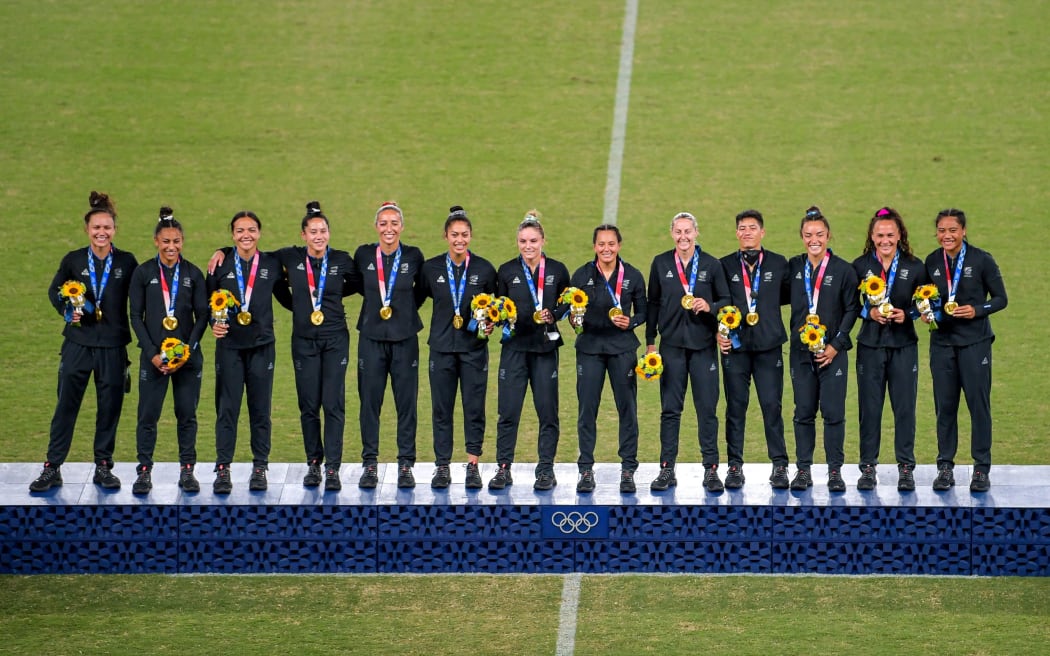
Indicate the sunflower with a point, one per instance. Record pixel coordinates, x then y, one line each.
510 309
174 352
222 299
574 296
731 320
493 313
653 360
72 289
650 366
926 293
480 301
873 286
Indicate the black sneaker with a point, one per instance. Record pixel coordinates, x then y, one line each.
405 479
712 483
222 484
778 480
945 480
867 480
802 481
734 478
473 480
50 477
627 485
144 482
586 483
502 478
104 476
369 478
905 478
257 483
187 481
979 482
331 480
442 477
313 474
835 482
545 481
664 480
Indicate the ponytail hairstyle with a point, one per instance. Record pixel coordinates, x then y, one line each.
393 207
957 214
245 213
888 214
100 204
166 219
606 227
313 211
813 214
532 220
457 213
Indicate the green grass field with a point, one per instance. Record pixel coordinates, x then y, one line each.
214 107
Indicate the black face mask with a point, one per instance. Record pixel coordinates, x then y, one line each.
751 256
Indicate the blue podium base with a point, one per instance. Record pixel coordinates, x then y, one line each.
291 529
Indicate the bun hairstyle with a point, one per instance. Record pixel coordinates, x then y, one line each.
955 213
166 219
532 220
390 205
245 213
607 227
100 204
313 211
888 214
457 213
813 213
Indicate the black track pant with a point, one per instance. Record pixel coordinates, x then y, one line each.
824 389
967 369
243 372
879 370
76 365
767 370
320 384
400 362
186 394
469 372
698 369
519 370
590 379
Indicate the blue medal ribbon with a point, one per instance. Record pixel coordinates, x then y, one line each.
956 274
246 293
96 288
170 311
619 282
317 294
537 296
813 296
752 283
389 287
457 291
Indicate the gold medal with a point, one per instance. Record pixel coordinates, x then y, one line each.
244 318
687 302
615 312
98 314
169 323
885 309
317 317
813 319
537 316
457 322
950 307
385 312
751 318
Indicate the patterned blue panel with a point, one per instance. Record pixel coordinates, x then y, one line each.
871 523
289 556
270 522
535 556
459 522
88 557
871 558
614 556
689 522
1030 525
1011 559
568 522
88 522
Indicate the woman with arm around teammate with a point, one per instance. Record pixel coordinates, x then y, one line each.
169 299
971 288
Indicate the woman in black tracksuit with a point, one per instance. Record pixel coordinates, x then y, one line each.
888 348
971 288
244 349
168 299
530 358
458 358
608 345
823 288
95 343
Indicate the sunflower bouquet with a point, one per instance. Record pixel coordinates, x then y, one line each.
927 300
813 335
506 315
174 353
650 366
729 324
222 301
874 289
480 314
72 291
576 299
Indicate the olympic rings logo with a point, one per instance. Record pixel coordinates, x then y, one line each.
574 522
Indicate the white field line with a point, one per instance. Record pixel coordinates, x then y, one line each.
570 601
619 128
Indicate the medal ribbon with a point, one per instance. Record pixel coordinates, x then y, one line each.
751 285
169 297
813 295
953 286
687 287
385 290
246 290
457 290
537 294
619 282
97 288
317 292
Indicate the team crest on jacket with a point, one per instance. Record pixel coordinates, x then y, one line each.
473 279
